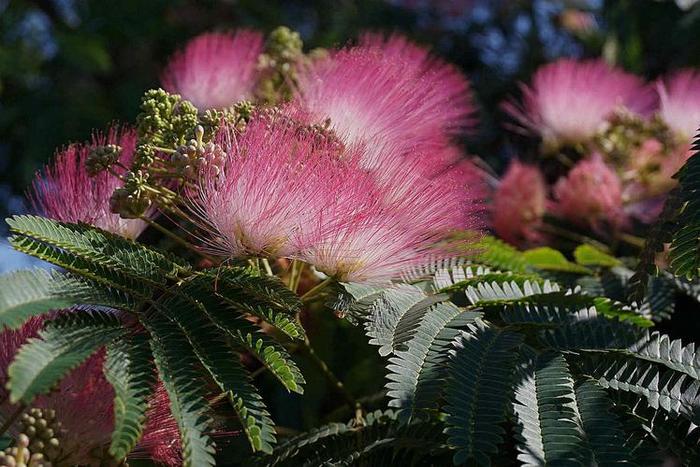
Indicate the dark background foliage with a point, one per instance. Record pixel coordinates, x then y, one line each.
70 66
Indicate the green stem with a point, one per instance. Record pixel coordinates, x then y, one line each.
632 240
295 275
333 380
177 239
266 265
318 288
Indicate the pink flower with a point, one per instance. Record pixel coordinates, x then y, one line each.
271 185
215 70
161 436
287 190
66 192
519 204
679 97
590 194
391 96
569 101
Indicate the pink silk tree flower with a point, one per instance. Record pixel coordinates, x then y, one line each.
590 194
215 70
68 193
679 97
569 101
390 96
161 436
519 204
273 183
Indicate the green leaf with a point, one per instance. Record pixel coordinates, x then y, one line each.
129 370
28 293
178 368
480 380
604 434
97 246
65 343
587 255
264 297
548 427
672 391
247 336
493 252
224 366
549 259
33 292
96 273
415 374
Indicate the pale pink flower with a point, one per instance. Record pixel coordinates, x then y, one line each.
215 70
67 193
519 204
590 194
679 97
390 96
272 184
569 101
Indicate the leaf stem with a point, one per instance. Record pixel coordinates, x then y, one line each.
318 288
266 265
295 274
333 380
177 239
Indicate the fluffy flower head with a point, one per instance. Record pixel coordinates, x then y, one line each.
68 193
215 70
391 96
590 194
679 97
569 101
287 190
273 181
519 204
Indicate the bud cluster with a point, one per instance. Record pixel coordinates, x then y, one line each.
132 200
195 156
627 132
38 444
283 50
102 158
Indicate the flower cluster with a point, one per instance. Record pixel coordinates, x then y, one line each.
618 140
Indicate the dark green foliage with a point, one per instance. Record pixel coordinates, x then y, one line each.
129 370
65 343
476 397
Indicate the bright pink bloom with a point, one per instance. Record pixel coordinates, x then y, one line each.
569 101
519 204
272 184
66 192
161 436
391 96
215 70
679 97
590 194
287 191
83 401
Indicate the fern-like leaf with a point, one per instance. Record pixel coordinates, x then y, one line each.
178 369
223 364
480 378
129 370
64 344
548 427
